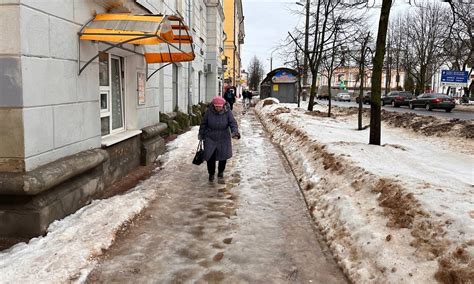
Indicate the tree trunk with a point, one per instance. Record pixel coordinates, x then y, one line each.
422 81
361 76
375 109
361 97
361 88
329 95
471 89
313 90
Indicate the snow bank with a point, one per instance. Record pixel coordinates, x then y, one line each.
398 213
69 250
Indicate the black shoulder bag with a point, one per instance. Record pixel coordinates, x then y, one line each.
199 157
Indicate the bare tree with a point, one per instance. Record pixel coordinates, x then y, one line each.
256 73
375 113
426 30
396 40
334 53
375 109
365 51
329 65
321 31
459 45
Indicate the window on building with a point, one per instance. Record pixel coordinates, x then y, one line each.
111 77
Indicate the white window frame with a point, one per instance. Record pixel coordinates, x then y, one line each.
108 90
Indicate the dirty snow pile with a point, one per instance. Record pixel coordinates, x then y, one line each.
398 213
70 249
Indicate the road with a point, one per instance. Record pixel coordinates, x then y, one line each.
255 228
463 115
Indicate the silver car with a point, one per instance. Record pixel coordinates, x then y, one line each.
343 97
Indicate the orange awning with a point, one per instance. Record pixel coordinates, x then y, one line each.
166 38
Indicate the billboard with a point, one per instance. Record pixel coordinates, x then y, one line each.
284 77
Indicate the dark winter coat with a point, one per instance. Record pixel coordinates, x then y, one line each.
229 96
214 130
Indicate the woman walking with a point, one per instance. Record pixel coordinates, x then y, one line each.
214 130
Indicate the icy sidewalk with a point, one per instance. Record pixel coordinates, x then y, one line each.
398 213
68 252
253 229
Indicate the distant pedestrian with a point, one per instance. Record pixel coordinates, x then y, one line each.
215 133
247 98
229 96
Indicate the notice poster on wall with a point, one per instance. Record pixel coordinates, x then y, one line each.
141 88
275 87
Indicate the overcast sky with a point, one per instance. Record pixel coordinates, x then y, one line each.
267 23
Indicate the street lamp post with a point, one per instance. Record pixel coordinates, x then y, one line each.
306 39
271 59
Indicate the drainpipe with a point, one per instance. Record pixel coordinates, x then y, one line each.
235 48
190 99
238 42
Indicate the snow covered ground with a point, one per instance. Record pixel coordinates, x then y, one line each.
400 213
69 250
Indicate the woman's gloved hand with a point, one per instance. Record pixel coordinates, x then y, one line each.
236 135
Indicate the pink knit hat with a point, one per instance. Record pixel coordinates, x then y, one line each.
218 101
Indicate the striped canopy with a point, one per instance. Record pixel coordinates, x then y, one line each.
166 38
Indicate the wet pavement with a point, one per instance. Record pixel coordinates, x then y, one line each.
455 114
255 228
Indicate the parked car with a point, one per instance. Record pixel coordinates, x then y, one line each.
397 99
343 97
433 101
365 98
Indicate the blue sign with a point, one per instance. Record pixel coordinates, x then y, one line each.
454 77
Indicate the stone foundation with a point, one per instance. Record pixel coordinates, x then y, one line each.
152 144
30 201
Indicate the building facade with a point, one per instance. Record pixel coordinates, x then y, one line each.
215 48
235 34
348 77
64 136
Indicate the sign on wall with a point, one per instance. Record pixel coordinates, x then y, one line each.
141 79
275 88
284 77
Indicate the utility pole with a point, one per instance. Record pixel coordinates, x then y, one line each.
306 53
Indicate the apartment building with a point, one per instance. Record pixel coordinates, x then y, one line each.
80 102
235 35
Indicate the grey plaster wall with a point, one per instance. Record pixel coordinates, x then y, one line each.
11 94
10 82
